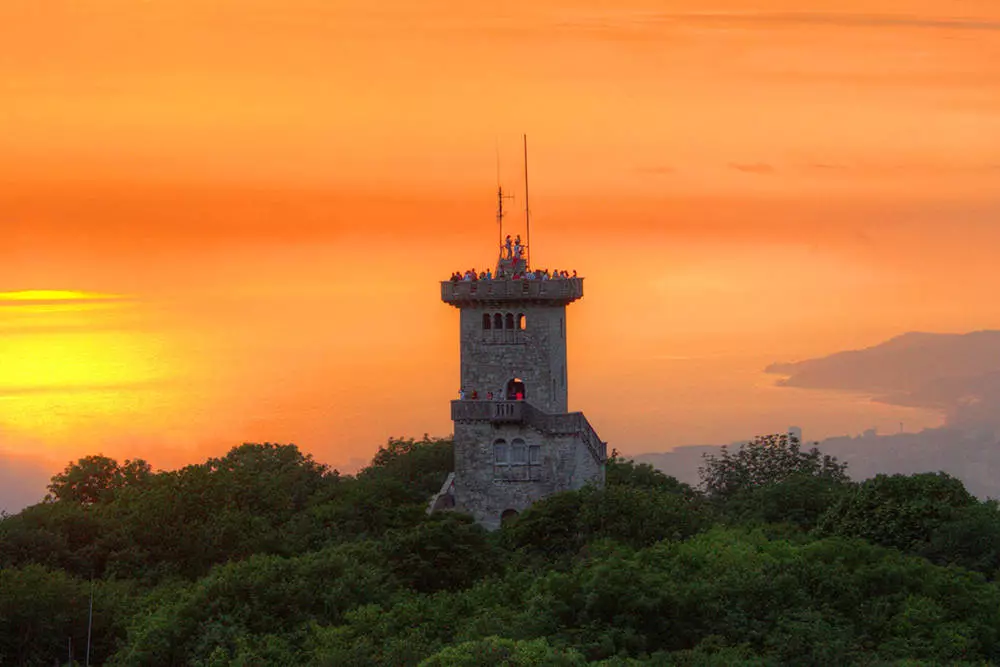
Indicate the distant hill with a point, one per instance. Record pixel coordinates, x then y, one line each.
956 373
970 455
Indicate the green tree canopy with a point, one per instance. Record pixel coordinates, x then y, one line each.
93 479
767 459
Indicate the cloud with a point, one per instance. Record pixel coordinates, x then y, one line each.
14 391
37 297
836 19
631 25
756 168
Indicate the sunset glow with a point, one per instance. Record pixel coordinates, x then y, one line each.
225 221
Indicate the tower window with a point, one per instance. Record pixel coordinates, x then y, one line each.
498 321
486 320
510 320
515 390
500 452
518 452
520 321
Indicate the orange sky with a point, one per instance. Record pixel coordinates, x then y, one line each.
271 189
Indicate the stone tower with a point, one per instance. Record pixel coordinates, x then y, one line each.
521 444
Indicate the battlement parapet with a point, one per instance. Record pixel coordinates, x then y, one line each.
558 291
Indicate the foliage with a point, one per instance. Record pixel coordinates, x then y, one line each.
265 557
498 652
445 552
798 500
94 479
765 460
902 511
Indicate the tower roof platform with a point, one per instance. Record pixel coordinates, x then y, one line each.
554 292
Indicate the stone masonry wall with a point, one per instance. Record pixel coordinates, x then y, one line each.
536 355
486 490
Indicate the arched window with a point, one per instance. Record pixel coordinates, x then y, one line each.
510 320
500 452
518 452
486 320
498 321
534 455
516 390
520 321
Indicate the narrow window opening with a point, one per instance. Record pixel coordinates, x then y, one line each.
498 321
486 321
510 321
518 452
534 455
520 321
516 390
500 452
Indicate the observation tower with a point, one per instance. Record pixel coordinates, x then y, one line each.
515 440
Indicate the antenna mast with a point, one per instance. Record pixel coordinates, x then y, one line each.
500 197
499 200
527 219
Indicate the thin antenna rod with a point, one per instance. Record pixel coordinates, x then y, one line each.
500 212
527 219
90 618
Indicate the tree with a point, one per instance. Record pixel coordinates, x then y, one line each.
494 651
626 472
95 479
443 552
421 464
901 511
765 460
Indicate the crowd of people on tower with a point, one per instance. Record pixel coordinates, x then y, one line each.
538 274
473 395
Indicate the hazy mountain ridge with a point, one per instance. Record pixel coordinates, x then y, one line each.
973 457
956 373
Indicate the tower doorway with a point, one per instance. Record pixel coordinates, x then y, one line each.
507 516
515 390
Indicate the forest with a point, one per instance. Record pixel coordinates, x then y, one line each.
266 557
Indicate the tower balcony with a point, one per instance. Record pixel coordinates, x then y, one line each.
514 412
487 410
554 292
